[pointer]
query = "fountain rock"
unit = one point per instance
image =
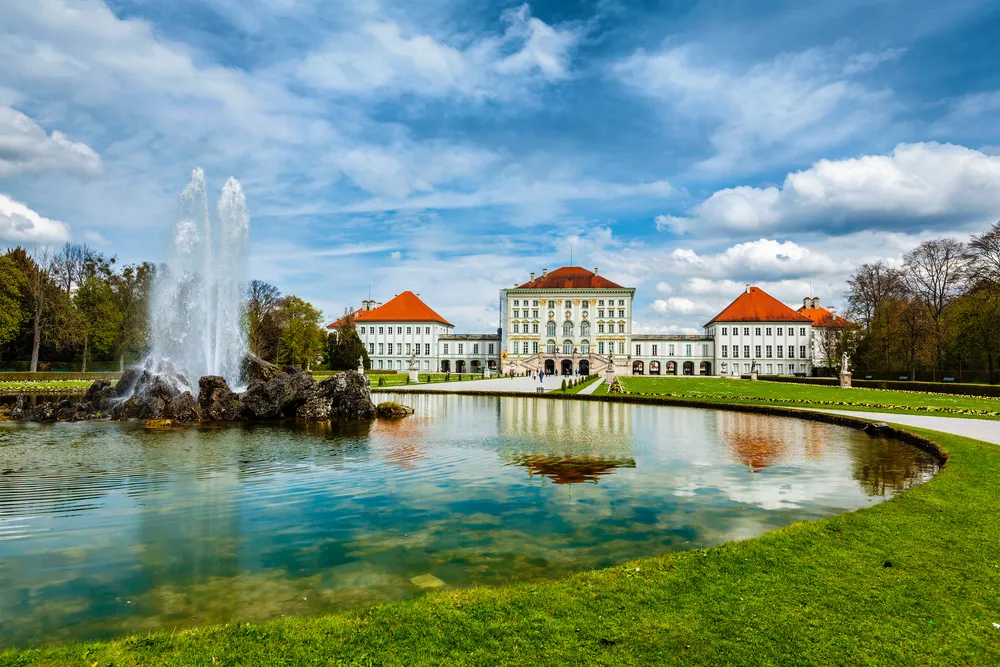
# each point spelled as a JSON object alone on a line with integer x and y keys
{"x": 216, "y": 400}
{"x": 255, "y": 369}
{"x": 184, "y": 408}
{"x": 350, "y": 396}
{"x": 390, "y": 410}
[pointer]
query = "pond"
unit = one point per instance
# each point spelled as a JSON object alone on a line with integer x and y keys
{"x": 109, "y": 528}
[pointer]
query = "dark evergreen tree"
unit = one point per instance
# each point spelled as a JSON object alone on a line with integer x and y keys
{"x": 344, "y": 348}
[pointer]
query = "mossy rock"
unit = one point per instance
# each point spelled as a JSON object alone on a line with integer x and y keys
{"x": 392, "y": 410}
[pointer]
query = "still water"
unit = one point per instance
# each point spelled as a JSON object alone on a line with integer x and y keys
{"x": 114, "y": 528}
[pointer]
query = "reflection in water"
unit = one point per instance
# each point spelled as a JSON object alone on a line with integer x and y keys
{"x": 113, "y": 528}
{"x": 570, "y": 469}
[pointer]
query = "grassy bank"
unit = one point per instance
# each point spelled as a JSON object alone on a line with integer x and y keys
{"x": 580, "y": 387}
{"x": 915, "y": 580}
{"x": 747, "y": 392}
{"x": 45, "y": 386}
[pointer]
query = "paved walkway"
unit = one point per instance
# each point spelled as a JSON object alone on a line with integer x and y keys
{"x": 524, "y": 385}
{"x": 591, "y": 388}
{"x": 978, "y": 429}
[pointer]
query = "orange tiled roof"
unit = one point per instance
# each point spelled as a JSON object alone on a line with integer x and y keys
{"x": 821, "y": 317}
{"x": 570, "y": 277}
{"x": 756, "y": 305}
{"x": 405, "y": 307}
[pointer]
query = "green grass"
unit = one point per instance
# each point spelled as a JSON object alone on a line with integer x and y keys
{"x": 580, "y": 387}
{"x": 912, "y": 581}
{"x": 746, "y": 392}
{"x": 68, "y": 386}
{"x": 397, "y": 379}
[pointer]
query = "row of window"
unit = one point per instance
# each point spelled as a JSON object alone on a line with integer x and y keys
{"x": 670, "y": 350}
{"x": 475, "y": 348}
{"x": 569, "y": 304}
{"x": 768, "y": 369}
{"x": 387, "y": 364}
{"x": 757, "y": 330}
{"x": 767, "y": 351}
{"x": 567, "y": 328}
{"x": 388, "y": 348}
{"x": 399, "y": 330}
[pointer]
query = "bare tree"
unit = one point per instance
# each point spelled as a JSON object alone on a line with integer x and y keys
{"x": 74, "y": 263}
{"x": 934, "y": 274}
{"x": 262, "y": 299}
{"x": 873, "y": 287}
{"x": 984, "y": 255}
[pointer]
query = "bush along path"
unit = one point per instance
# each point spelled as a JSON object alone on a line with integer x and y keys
{"x": 912, "y": 581}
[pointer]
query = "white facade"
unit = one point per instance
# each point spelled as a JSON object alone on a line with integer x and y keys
{"x": 775, "y": 348}
{"x": 468, "y": 353}
{"x": 390, "y": 344}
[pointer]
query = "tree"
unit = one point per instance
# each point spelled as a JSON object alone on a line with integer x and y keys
{"x": 934, "y": 273}
{"x": 12, "y": 312}
{"x": 73, "y": 263}
{"x": 983, "y": 255}
{"x": 872, "y": 289}
{"x": 344, "y": 347}
{"x": 302, "y": 340}
{"x": 131, "y": 291}
{"x": 977, "y": 323}
{"x": 262, "y": 300}
{"x": 99, "y": 317}
{"x": 38, "y": 290}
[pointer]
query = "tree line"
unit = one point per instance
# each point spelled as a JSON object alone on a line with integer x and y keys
{"x": 78, "y": 306}
{"x": 937, "y": 312}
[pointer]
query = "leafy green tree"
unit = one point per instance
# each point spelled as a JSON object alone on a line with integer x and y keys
{"x": 344, "y": 348}
{"x": 302, "y": 340}
{"x": 131, "y": 291}
{"x": 99, "y": 317}
{"x": 13, "y": 316}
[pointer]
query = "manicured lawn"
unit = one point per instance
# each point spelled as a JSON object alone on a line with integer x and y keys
{"x": 786, "y": 393}
{"x": 580, "y": 387}
{"x": 45, "y": 386}
{"x": 396, "y": 379}
{"x": 915, "y": 580}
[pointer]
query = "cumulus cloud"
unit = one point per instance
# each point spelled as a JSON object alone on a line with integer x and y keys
{"x": 386, "y": 57}
{"x": 26, "y": 148}
{"x": 20, "y": 224}
{"x": 400, "y": 170}
{"x": 917, "y": 186}
{"x": 760, "y": 260}
{"x": 795, "y": 103}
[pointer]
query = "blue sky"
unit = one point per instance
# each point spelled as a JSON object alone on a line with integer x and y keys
{"x": 449, "y": 147}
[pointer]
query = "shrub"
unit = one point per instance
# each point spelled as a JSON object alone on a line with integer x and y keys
{"x": 381, "y": 381}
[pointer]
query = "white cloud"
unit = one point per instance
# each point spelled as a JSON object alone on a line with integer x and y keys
{"x": 677, "y": 305}
{"x": 387, "y": 57}
{"x": 98, "y": 239}
{"x": 20, "y": 224}
{"x": 26, "y": 148}
{"x": 400, "y": 170}
{"x": 797, "y": 103}
{"x": 761, "y": 259}
{"x": 914, "y": 187}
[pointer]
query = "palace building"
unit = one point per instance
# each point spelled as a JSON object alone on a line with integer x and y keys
{"x": 574, "y": 321}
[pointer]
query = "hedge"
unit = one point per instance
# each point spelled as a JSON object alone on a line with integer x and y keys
{"x": 48, "y": 377}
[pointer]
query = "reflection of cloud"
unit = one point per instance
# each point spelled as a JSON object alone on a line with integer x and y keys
{"x": 571, "y": 469}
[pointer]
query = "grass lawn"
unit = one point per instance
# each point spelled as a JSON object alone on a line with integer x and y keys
{"x": 397, "y": 379}
{"x": 580, "y": 387}
{"x": 68, "y": 386}
{"x": 786, "y": 393}
{"x": 913, "y": 581}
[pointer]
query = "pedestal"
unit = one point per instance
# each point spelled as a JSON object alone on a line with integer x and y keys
{"x": 414, "y": 377}
{"x": 845, "y": 380}
{"x": 753, "y": 375}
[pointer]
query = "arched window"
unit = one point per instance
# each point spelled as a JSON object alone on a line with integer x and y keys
{"x": 567, "y": 347}
{"x": 550, "y": 347}
{"x": 567, "y": 328}
{"x": 550, "y": 329}
{"x": 585, "y": 328}
{"x": 585, "y": 347}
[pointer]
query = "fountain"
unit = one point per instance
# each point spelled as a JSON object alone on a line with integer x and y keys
{"x": 198, "y": 300}
{"x": 198, "y": 348}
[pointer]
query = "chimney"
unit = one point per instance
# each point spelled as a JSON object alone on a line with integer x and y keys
{"x": 748, "y": 288}
{"x": 532, "y": 276}
{"x": 544, "y": 271}
{"x": 805, "y": 302}
{"x": 815, "y": 302}
{"x": 595, "y": 270}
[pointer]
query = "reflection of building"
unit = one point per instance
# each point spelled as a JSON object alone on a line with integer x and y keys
{"x": 572, "y": 320}
{"x": 570, "y": 469}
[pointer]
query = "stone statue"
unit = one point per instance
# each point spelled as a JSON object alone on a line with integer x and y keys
{"x": 844, "y": 364}
{"x": 361, "y": 365}
{"x": 413, "y": 361}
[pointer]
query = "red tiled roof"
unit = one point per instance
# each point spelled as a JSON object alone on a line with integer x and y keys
{"x": 821, "y": 317}
{"x": 405, "y": 307}
{"x": 756, "y": 305}
{"x": 570, "y": 277}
